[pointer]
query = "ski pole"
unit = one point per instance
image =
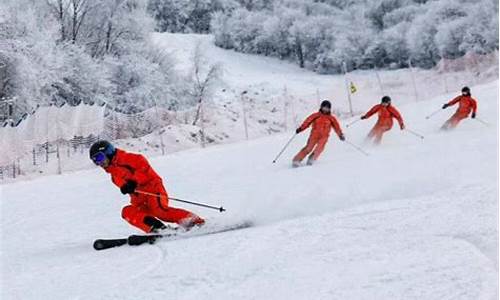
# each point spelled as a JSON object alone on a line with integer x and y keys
{"x": 357, "y": 148}
{"x": 221, "y": 209}
{"x": 352, "y": 123}
{"x": 414, "y": 133}
{"x": 432, "y": 114}
{"x": 481, "y": 121}
{"x": 283, "y": 150}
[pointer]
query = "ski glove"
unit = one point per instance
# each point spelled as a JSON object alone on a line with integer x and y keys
{"x": 363, "y": 117}
{"x": 298, "y": 130}
{"x": 445, "y": 106}
{"x": 473, "y": 115}
{"x": 342, "y": 137}
{"x": 128, "y": 187}
{"x": 402, "y": 126}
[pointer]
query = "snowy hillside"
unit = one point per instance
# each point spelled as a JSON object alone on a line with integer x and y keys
{"x": 414, "y": 220}
{"x": 278, "y": 95}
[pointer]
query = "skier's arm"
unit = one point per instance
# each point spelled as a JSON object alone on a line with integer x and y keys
{"x": 141, "y": 168}
{"x": 117, "y": 178}
{"x": 336, "y": 127}
{"x": 395, "y": 113}
{"x": 308, "y": 122}
{"x": 474, "y": 105}
{"x": 452, "y": 102}
{"x": 371, "y": 112}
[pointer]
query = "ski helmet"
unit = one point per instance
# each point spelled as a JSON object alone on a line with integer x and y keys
{"x": 326, "y": 103}
{"x": 386, "y": 99}
{"x": 101, "y": 150}
{"x": 466, "y": 89}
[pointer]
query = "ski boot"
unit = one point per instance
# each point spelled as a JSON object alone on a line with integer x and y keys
{"x": 191, "y": 222}
{"x": 155, "y": 224}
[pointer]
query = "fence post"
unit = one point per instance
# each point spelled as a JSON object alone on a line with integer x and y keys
{"x": 162, "y": 145}
{"x": 243, "y": 108}
{"x": 344, "y": 67}
{"x": 285, "y": 108}
{"x": 413, "y": 80}
{"x": 293, "y": 111}
{"x": 59, "y": 169}
{"x": 379, "y": 83}
{"x": 202, "y": 124}
{"x": 47, "y": 151}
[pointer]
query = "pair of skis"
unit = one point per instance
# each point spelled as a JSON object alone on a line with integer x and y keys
{"x": 136, "y": 240}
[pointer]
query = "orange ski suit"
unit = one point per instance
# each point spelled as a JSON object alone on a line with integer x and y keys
{"x": 384, "y": 122}
{"x": 466, "y": 104}
{"x": 321, "y": 125}
{"x": 126, "y": 166}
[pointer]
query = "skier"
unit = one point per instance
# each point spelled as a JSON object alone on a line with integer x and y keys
{"x": 466, "y": 104}
{"x": 386, "y": 112}
{"x": 322, "y": 122}
{"x": 132, "y": 172}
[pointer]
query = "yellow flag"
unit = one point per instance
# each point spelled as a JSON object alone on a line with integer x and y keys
{"x": 352, "y": 87}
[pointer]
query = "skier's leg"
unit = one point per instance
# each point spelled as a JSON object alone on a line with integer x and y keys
{"x": 160, "y": 209}
{"x": 311, "y": 142}
{"x": 457, "y": 119}
{"x": 453, "y": 121}
{"x": 179, "y": 216}
{"x": 135, "y": 216}
{"x": 371, "y": 134}
{"x": 379, "y": 132}
{"x": 448, "y": 124}
{"x": 320, "y": 146}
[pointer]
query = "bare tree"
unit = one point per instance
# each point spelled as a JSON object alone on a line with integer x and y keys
{"x": 71, "y": 15}
{"x": 113, "y": 24}
{"x": 59, "y": 9}
{"x": 204, "y": 79}
{"x": 4, "y": 77}
{"x": 79, "y": 9}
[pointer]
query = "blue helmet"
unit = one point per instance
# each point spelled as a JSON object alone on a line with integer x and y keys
{"x": 101, "y": 150}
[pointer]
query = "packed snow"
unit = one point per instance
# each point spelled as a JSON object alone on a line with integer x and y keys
{"x": 416, "y": 219}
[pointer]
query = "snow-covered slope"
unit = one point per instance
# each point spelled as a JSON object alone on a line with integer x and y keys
{"x": 279, "y": 94}
{"x": 414, "y": 220}
{"x": 266, "y": 77}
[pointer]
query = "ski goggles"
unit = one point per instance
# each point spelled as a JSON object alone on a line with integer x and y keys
{"x": 99, "y": 158}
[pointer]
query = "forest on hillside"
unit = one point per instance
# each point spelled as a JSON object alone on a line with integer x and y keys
{"x": 322, "y": 34}
{"x": 57, "y": 52}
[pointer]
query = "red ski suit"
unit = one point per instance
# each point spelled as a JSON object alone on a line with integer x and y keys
{"x": 126, "y": 166}
{"x": 384, "y": 122}
{"x": 466, "y": 104}
{"x": 321, "y": 127}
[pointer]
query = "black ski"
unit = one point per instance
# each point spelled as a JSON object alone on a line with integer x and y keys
{"x": 133, "y": 240}
{"x": 136, "y": 240}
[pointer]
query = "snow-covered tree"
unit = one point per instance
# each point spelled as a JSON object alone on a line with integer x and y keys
{"x": 321, "y": 35}
{"x": 95, "y": 51}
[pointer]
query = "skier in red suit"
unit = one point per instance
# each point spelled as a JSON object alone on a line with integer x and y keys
{"x": 466, "y": 105}
{"x": 386, "y": 112}
{"x": 132, "y": 173}
{"x": 322, "y": 123}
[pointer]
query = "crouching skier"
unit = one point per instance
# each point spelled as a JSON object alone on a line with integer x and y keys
{"x": 131, "y": 172}
{"x": 322, "y": 123}
{"x": 466, "y": 105}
